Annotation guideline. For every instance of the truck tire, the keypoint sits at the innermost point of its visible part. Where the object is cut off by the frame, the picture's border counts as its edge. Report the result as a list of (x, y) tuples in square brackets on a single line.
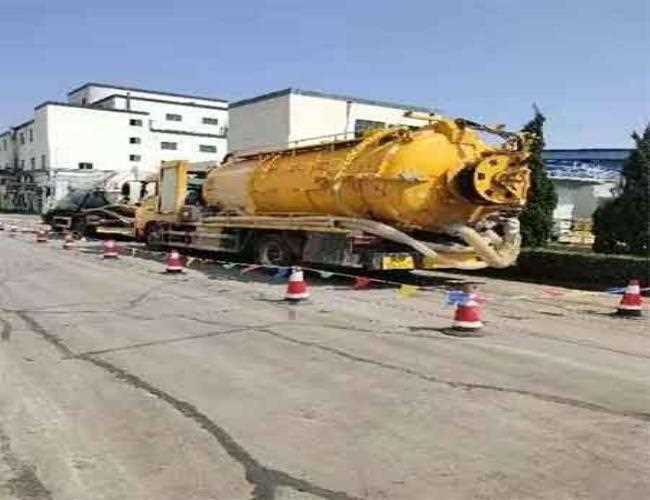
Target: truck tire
[(273, 250), (82, 229), (152, 236)]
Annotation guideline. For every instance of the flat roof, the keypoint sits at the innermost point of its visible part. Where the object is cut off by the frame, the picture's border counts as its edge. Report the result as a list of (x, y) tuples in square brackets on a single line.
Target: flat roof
[(554, 150), (23, 125), (614, 154), (89, 108), (135, 89), (223, 107), (337, 97), (580, 180)]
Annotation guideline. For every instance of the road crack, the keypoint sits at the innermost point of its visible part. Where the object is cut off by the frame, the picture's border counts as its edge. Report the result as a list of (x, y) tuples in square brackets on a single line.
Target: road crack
[(265, 480), (551, 398)]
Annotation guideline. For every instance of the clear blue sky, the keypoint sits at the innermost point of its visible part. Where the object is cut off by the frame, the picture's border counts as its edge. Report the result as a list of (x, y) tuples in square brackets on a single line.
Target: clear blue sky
[(585, 63)]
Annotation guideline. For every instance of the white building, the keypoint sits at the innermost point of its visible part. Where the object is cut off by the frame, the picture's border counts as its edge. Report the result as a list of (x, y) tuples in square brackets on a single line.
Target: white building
[(109, 128), (578, 198), (583, 179), (281, 118)]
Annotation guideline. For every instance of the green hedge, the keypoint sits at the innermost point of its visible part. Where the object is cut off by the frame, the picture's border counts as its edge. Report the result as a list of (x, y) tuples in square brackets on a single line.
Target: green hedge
[(584, 270)]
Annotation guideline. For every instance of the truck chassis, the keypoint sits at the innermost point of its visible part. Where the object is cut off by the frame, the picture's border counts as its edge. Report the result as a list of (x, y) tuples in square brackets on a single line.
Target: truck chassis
[(283, 241)]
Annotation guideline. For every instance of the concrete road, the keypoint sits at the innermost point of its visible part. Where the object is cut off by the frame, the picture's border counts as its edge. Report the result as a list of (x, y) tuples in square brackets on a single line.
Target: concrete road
[(120, 382)]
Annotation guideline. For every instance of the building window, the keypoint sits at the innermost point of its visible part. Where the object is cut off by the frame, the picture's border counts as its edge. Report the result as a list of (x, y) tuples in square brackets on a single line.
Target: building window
[(210, 121), (22, 164), (204, 148), (134, 140), (135, 122), (21, 138), (173, 117), (362, 126), (169, 145), (85, 166), (32, 163), (43, 162), (135, 157), (31, 135)]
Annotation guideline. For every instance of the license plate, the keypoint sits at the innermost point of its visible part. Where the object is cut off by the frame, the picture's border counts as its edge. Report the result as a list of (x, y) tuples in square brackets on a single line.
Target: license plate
[(397, 262)]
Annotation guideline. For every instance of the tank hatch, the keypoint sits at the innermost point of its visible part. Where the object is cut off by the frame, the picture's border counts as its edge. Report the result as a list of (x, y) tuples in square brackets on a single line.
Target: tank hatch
[(502, 179)]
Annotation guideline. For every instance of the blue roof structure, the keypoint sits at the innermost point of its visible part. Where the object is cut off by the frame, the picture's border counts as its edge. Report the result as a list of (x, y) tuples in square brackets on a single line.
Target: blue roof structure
[(599, 164)]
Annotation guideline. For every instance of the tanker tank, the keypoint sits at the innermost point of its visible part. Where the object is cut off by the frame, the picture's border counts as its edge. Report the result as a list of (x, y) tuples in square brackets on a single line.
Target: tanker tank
[(443, 186)]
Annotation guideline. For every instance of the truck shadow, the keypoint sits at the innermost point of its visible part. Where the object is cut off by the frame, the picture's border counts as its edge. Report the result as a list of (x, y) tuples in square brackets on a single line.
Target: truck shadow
[(226, 267)]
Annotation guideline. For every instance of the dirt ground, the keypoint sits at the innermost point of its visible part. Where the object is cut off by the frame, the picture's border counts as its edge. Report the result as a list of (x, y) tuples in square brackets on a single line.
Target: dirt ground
[(118, 381)]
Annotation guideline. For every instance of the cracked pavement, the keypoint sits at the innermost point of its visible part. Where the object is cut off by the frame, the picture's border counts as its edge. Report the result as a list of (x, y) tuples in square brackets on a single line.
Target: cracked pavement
[(119, 382)]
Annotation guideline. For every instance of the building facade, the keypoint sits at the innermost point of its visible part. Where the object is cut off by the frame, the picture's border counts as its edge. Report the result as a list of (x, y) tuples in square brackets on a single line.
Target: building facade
[(124, 131), (291, 116), (583, 179)]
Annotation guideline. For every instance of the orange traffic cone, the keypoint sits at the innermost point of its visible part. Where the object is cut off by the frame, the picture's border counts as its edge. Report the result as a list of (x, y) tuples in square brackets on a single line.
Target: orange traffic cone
[(41, 236), (174, 262), (110, 250), (468, 312), (296, 287), (68, 242), (362, 283), (631, 304)]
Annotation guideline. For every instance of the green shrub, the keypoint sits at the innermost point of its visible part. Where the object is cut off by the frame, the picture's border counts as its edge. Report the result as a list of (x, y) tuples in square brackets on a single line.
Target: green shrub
[(582, 270), (622, 225), (537, 218)]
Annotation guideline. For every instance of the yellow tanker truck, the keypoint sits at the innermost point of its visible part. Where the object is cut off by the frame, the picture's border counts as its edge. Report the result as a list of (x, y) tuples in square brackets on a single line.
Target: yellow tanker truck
[(440, 196)]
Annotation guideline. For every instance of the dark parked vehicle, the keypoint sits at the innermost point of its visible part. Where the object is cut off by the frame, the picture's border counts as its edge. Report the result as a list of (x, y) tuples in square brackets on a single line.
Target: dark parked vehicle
[(86, 212)]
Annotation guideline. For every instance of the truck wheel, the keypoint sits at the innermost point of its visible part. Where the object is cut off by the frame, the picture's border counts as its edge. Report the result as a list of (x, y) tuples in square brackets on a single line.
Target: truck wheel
[(152, 236), (273, 250), (81, 228)]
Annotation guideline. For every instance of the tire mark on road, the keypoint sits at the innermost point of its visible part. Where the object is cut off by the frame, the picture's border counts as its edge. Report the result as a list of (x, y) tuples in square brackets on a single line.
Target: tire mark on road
[(5, 334), (561, 400), (25, 485), (265, 480)]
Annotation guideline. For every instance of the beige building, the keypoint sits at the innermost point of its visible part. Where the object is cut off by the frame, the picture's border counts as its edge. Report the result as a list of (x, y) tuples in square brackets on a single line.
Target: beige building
[(291, 116)]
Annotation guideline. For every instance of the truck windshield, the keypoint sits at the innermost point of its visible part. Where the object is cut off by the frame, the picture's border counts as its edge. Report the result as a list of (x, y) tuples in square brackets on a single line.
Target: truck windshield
[(82, 199)]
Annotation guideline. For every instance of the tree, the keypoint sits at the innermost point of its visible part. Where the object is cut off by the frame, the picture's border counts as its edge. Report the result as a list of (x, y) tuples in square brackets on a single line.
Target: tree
[(622, 225), (537, 218)]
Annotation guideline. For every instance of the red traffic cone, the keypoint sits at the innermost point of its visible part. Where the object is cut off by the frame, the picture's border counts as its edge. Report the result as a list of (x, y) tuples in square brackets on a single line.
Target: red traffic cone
[(296, 287), (110, 250), (68, 242), (41, 236), (362, 283), (174, 263), (631, 304), (468, 314)]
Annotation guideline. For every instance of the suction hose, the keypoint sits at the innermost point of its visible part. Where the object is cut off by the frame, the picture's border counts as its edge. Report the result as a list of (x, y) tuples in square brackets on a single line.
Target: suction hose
[(503, 256)]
